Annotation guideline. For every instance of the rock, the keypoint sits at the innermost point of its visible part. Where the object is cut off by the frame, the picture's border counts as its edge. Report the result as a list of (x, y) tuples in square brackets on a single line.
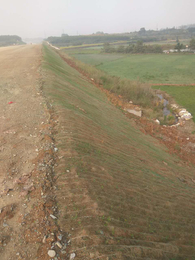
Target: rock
[(59, 245), (52, 216), (60, 237), (72, 256), (174, 106), (23, 193), (184, 114), (29, 187), (51, 253), (134, 112), (44, 240), (55, 149), (157, 121)]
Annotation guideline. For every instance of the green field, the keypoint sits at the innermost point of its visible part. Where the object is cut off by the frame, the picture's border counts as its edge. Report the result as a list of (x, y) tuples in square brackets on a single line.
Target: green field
[(152, 68), (183, 95), (118, 191), (97, 59)]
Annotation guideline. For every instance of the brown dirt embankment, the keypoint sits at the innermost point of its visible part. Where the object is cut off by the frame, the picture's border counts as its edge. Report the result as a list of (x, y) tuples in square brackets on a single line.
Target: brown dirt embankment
[(26, 157)]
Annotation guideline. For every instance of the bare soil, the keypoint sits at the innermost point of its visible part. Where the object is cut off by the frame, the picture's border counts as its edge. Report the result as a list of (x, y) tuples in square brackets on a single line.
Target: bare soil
[(26, 157)]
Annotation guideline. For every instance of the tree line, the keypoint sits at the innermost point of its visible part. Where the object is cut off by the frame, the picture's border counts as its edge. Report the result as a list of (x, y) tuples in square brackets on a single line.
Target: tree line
[(139, 47), (130, 37), (7, 40), (66, 40)]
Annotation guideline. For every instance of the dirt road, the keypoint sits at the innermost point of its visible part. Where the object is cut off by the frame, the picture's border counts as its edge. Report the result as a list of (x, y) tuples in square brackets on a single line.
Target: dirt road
[(23, 127)]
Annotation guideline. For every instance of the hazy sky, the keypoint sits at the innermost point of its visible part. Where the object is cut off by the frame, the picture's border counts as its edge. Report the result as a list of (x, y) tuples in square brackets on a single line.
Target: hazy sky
[(43, 18)]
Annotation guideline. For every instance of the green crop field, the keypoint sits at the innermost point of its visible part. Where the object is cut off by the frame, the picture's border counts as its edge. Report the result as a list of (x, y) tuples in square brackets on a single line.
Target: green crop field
[(97, 59), (152, 68), (118, 191)]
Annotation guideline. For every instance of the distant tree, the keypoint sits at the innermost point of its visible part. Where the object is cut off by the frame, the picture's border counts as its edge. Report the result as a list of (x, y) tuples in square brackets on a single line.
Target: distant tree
[(179, 46), (121, 49), (139, 47), (142, 30), (108, 48), (153, 48), (192, 44), (191, 30), (99, 32), (130, 48)]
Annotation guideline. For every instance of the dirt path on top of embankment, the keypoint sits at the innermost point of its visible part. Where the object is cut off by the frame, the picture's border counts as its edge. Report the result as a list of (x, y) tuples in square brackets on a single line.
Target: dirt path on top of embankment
[(26, 157)]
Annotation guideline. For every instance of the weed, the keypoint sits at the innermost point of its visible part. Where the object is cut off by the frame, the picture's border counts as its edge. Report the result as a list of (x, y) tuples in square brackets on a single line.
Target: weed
[(177, 147)]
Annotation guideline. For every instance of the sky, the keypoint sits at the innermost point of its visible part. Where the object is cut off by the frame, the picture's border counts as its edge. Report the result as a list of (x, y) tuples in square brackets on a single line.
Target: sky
[(43, 18)]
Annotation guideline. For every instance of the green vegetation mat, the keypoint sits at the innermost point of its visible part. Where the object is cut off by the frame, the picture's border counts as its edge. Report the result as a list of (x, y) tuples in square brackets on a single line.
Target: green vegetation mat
[(151, 68), (118, 190)]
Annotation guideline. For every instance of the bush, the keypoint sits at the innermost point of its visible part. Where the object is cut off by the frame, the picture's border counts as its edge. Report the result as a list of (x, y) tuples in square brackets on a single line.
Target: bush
[(139, 47)]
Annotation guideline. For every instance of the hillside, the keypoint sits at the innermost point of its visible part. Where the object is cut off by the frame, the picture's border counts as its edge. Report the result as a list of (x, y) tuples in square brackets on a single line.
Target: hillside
[(120, 194), (8, 40), (169, 34)]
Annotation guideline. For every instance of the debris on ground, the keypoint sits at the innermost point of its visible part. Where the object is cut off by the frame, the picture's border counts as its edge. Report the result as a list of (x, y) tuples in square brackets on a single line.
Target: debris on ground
[(134, 112), (51, 253), (72, 256), (184, 114)]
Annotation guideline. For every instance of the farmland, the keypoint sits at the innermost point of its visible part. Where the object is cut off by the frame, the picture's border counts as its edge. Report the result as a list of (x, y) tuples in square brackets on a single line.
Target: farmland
[(151, 68)]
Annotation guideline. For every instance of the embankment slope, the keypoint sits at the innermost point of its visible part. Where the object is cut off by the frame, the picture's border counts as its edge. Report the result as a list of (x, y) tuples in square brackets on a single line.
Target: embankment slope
[(119, 192)]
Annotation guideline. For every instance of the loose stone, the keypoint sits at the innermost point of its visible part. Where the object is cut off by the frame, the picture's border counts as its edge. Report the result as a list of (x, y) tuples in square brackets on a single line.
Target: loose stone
[(51, 253)]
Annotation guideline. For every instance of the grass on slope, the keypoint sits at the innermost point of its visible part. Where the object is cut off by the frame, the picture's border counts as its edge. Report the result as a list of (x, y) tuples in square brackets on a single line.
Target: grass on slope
[(116, 197), (140, 94), (151, 68), (183, 95)]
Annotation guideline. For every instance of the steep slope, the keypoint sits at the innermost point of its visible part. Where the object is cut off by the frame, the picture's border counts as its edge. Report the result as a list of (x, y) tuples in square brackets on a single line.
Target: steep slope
[(119, 192)]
